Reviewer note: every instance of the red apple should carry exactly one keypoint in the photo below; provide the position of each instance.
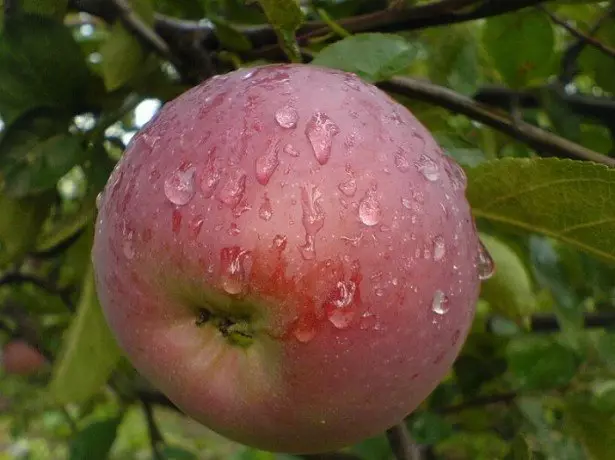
(289, 256)
(20, 358)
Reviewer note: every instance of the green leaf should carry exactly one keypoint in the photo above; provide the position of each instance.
(453, 58)
(565, 199)
(593, 427)
(472, 445)
(122, 54)
(230, 37)
(21, 222)
(40, 66)
(509, 291)
(94, 442)
(520, 45)
(606, 349)
(372, 56)
(429, 428)
(89, 351)
(597, 63)
(566, 122)
(53, 8)
(285, 16)
(539, 362)
(35, 152)
(177, 453)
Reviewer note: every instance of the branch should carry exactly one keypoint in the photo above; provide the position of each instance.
(537, 138)
(580, 35)
(401, 444)
(544, 322)
(155, 436)
(503, 398)
(19, 278)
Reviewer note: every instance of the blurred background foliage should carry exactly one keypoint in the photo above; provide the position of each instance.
(501, 84)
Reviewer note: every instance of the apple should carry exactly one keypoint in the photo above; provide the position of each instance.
(20, 358)
(288, 255)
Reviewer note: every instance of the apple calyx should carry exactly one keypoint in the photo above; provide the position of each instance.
(237, 331)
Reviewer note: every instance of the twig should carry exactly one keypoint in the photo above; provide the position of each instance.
(503, 398)
(537, 138)
(544, 322)
(132, 21)
(580, 35)
(19, 278)
(155, 436)
(401, 444)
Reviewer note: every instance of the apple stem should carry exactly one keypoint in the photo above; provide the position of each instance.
(401, 443)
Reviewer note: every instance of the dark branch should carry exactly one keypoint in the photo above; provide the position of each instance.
(542, 141)
(544, 322)
(19, 278)
(401, 444)
(588, 39)
(155, 436)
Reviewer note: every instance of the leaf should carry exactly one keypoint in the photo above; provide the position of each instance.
(35, 152)
(94, 442)
(20, 222)
(429, 428)
(89, 351)
(177, 453)
(540, 363)
(285, 16)
(372, 56)
(472, 445)
(593, 427)
(597, 63)
(566, 122)
(520, 46)
(122, 54)
(53, 8)
(606, 349)
(230, 37)
(565, 199)
(40, 66)
(453, 58)
(509, 291)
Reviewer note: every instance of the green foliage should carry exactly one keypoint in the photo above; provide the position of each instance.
(382, 55)
(70, 87)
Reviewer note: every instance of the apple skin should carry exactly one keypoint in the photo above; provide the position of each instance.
(288, 255)
(20, 358)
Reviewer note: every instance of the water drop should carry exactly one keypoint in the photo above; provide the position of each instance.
(99, 199)
(128, 244)
(348, 187)
(287, 117)
(195, 226)
(339, 301)
(370, 212)
(379, 292)
(428, 168)
(439, 304)
(320, 131)
(234, 266)
(304, 333)
(279, 242)
(341, 319)
(249, 74)
(266, 165)
(210, 176)
(290, 150)
(456, 174)
(484, 263)
(265, 211)
(233, 189)
(439, 248)
(401, 161)
(313, 216)
(406, 203)
(179, 187)
(308, 249)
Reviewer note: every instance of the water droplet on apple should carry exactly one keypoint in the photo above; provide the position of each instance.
(428, 168)
(339, 302)
(179, 187)
(210, 176)
(249, 74)
(308, 249)
(320, 131)
(439, 248)
(287, 117)
(304, 333)
(99, 199)
(406, 203)
(348, 187)
(439, 304)
(233, 189)
(195, 226)
(233, 229)
(484, 263)
(233, 263)
(401, 161)
(290, 150)
(128, 244)
(456, 174)
(341, 319)
(266, 165)
(279, 242)
(370, 211)
(379, 292)
(265, 211)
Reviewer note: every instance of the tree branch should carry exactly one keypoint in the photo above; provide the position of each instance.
(19, 278)
(401, 444)
(588, 39)
(537, 138)
(155, 436)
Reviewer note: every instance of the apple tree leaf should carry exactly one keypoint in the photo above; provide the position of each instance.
(565, 199)
(520, 46)
(89, 351)
(539, 362)
(95, 440)
(35, 152)
(53, 8)
(285, 16)
(372, 56)
(598, 64)
(593, 427)
(41, 65)
(509, 291)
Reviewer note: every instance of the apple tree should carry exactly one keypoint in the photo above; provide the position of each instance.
(517, 92)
